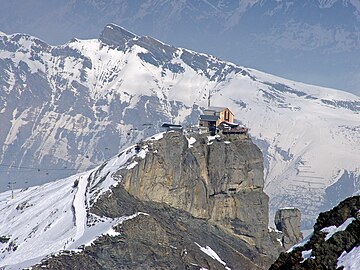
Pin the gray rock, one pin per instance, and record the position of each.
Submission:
(287, 220)
(217, 181)
(324, 253)
(116, 36)
(207, 195)
(166, 238)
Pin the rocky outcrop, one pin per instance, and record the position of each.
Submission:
(201, 195)
(287, 220)
(220, 180)
(164, 238)
(336, 233)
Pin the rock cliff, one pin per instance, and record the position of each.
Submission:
(287, 221)
(201, 195)
(334, 244)
(220, 180)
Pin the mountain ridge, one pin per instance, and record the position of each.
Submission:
(272, 36)
(69, 107)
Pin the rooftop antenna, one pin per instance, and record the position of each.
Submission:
(209, 97)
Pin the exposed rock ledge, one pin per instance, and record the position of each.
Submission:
(197, 191)
(220, 180)
(336, 234)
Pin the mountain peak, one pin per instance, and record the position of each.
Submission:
(115, 35)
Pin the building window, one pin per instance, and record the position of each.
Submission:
(226, 115)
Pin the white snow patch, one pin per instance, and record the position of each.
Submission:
(271, 229)
(211, 138)
(227, 142)
(300, 244)
(331, 230)
(306, 254)
(102, 228)
(16, 124)
(79, 204)
(211, 253)
(351, 260)
(142, 153)
(41, 220)
(157, 137)
(191, 141)
(112, 232)
(131, 165)
(287, 208)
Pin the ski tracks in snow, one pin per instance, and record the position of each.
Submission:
(79, 206)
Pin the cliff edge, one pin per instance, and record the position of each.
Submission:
(201, 205)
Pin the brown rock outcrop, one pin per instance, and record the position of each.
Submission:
(221, 181)
(287, 220)
(204, 204)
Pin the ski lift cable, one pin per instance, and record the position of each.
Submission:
(34, 168)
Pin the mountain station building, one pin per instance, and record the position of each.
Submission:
(213, 117)
(217, 119)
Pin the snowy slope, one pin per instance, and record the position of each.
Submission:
(322, 47)
(46, 219)
(350, 260)
(70, 107)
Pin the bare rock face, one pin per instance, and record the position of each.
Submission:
(287, 221)
(220, 180)
(199, 195)
(164, 238)
(336, 233)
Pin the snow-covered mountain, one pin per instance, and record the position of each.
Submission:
(68, 108)
(316, 41)
(47, 219)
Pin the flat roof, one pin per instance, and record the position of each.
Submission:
(166, 125)
(211, 118)
(216, 109)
